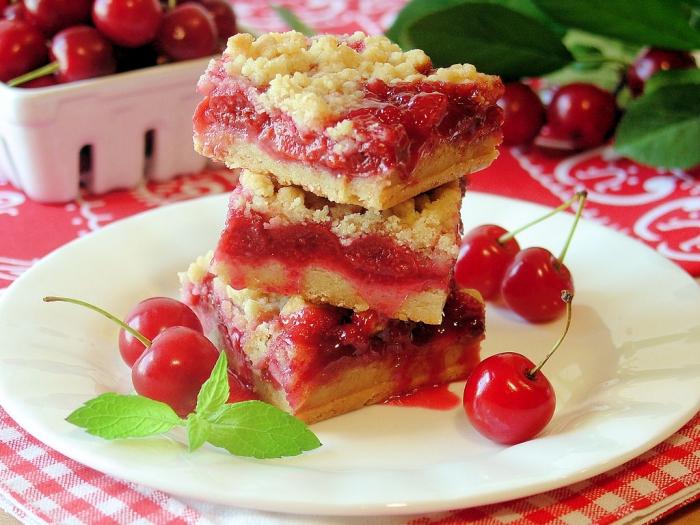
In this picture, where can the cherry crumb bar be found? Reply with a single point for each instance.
(284, 240)
(354, 118)
(319, 361)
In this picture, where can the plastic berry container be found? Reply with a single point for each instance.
(102, 134)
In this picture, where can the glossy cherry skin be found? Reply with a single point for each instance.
(15, 12)
(224, 18)
(653, 60)
(82, 52)
(150, 317)
(46, 81)
(533, 283)
(187, 32)
(583, 113)
(504, 403)
(523, 114)
(128, 23)
(175, 367)
(482, 260)
(22, 49)
(53, 15)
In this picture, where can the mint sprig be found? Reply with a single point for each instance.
(249, 428)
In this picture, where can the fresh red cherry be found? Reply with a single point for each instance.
(224, 18)
(129, 23)
(507, 398)
(22, 48)
(175, 367)
(533, 283)
(582, 112)
(3, 5)
(150, 317)
(652, 60)
(15, 12)
(187, 32)
(523, 114)
(53, 15)
(483, 259)
(505, 403)
(82, 52)
(46, 81)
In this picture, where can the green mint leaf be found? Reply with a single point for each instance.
(672, 77)
(197, 429)
(115, 416)
(292, 20)
(662, 128)
(475, 33)
(661, 23)
(417, 9)
(256, 429)
(215, 390)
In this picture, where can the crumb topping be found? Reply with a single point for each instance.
(317, 79)
(425, 223)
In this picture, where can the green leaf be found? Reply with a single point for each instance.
(662, 128)
(672, 77)
(197, 429)
(115, 416)
(256, 429)
(474, 32)
(292, 20)
(215, 390)
(661, 23)
(417, 9)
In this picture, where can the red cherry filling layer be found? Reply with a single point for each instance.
(398, 124)
(383, 270)
(314, 345)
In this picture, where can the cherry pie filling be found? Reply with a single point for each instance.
(314, 345)
(384, 271)
(398, 124)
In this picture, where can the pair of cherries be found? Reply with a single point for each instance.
(530, 281)
(162, 340)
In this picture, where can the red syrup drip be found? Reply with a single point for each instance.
(239, 391)
(438, 397)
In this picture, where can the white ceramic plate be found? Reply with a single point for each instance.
(627, 377)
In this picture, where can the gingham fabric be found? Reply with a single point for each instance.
(661, 208)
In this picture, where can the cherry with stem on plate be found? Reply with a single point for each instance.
(78, 52)
(532, 283)
(486, 252)
(22, 48)
(187, 31)
(507, 398)
(149, 318)
(175, 365)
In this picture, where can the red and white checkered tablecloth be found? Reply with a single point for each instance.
(661, 208)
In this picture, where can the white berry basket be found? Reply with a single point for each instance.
(102, 134)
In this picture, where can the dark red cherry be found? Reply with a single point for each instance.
(582, 113)
(82, 52)
(128, 23)
(224, 18)
(652, 60)
(53, 15)
(187, 32)
(22, 49)
(523, 114)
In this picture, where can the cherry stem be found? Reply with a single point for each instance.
(43, 71)
(581, 204)
(138, 335)
(509, 235)
(566, 296)
(172, 4)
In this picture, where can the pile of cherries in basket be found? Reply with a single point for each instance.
(45, 42)
(579, 115)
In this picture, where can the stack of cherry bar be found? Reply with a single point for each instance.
(331, 285)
